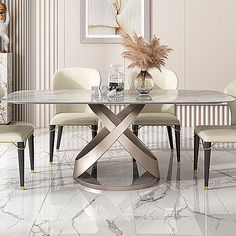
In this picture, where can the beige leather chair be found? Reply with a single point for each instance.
(159, 115)
(211, 135)
(18, 135)
(73, 115)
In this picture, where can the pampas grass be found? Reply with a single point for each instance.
(143, 54)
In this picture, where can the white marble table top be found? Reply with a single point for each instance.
(126, 97)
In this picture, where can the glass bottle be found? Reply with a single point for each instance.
(116, 78)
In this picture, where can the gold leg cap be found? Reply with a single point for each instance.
(50, 162)
(206, 188)
(57, 150)
(33, 171)
(22, 188)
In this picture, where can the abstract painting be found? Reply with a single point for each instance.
(103, 20)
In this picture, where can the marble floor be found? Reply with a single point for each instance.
(54, 204)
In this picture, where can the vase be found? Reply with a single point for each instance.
(144, 82)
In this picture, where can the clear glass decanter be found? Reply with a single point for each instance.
(116, 78)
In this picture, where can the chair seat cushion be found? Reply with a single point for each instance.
(73, 119)
(160, 119)
(15, 133)
(217, 134)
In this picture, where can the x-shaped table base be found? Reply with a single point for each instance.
(116, 128)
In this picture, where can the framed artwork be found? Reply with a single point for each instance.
(103, 20)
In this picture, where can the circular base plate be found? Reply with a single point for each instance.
(117, 176)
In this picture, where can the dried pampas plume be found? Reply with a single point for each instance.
(142, 54)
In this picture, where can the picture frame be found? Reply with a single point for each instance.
(93, 32)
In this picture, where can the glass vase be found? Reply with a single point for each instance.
(144, 82)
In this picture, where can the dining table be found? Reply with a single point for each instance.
(116, 127)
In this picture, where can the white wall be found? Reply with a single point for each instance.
(201, 32)
(210, 43)
(98, 56)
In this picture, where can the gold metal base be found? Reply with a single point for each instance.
(57, 150)
(116, 129)
(33, 172)
(205, 187)
(50, 163)
(22, 188)
(137, 186)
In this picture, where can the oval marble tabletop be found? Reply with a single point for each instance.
(125, 97)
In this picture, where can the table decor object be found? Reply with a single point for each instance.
(116, 78)
(4, 22)
(144, 55)
(104, 90)
(6, 84)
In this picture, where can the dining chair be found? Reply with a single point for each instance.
(159, 115)
(73, 115)
(213, 134)
(18, 135)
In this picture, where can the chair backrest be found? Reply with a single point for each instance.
(75, 79)
(231, 90)
(165, 80)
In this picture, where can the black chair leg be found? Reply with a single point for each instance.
(31, 151)
(135, 131)
(21, 160)
(207, 156)
(51, 141)
(169, 130)
(94, 130)
(196, 150)
(94, 133)
(59, 134)
(177, 140)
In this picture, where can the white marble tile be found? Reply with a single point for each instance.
(55, 204)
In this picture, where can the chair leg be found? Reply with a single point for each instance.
(94, 133)
(196, 150)
(94, 130)
(21, 160)
(59, 134)
(207, 155)
(177, 140)
(169, 130)
(31, 151)
(135, 131)
(51, 141)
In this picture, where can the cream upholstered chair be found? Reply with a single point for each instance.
(211, 135)
(18, 135)
(159, 115)
(73, 115)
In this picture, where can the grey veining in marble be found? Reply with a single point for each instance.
(126, 97)
(54, 204)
